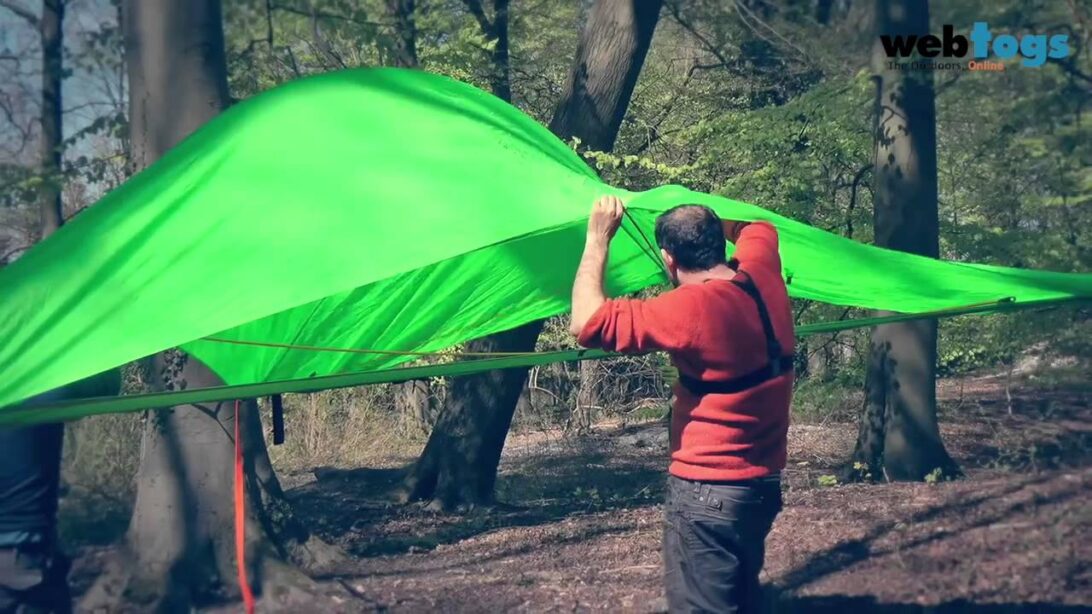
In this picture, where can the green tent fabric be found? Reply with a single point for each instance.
(385, 209)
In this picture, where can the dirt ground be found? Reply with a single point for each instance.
(581, 530)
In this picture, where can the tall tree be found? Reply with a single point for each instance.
(412, 400)
(405, 33)
(180, 544)
(496, 32)
(458, 466)
(50, 141)
(52, 148)
(899, 437)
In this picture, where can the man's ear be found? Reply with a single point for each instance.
(669, 260)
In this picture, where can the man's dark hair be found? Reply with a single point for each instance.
(694, 235)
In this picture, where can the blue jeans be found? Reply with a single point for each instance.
(715, 542)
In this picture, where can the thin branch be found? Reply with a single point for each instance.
(324, 15)
(740, 8)
(9, 115)
(269, 23)
(475, 8)
(940, 88)
(803, 54)
(20, 11)
(321, 41)
(853, 198)
(709, 46)
(1070, 68)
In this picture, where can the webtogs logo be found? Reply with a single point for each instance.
(1035, 48)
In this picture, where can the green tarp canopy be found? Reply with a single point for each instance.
(377, 209)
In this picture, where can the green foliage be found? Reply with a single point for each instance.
(650, 413)
(862, 471)
(816, 401)
(828, 481)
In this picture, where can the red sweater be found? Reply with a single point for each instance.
(712, 332)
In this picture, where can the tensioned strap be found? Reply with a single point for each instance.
(776, 364)
(239, 505)
(69, 410)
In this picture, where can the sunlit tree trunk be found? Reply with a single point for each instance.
(459, 464)
(179, 550)
(899, 437)
(52, 143)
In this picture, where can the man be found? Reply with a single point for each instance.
(33, 571)
(727, 326)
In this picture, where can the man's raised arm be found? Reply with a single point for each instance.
(588, 294)
(756, 243)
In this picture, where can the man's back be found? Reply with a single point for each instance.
(714, 333)
(728, 329)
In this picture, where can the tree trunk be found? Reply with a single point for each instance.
(52, 147)
(180, 547)
(497, 32)
(411, 399)
(587, 396)
(609, 57)
(413, 406)
(458, 467)
(501, 83)
(899, 437)
(405, 33)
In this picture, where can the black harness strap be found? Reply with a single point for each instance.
(776, 363)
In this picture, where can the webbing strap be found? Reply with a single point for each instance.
(776, 364)
(70, 410)
(239, 504)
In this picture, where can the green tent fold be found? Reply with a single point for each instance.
(379, 209)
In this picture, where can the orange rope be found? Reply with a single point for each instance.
(240, 521)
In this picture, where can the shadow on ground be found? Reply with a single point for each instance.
(359, 509)
(868, 605)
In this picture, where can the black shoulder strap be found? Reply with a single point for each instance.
(776, 364)
(773, 346)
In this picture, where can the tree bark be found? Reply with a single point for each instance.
(899, 437)
(405, 33)
(587, 396)
(52, 145)
(501, 83)
(496, 30)
(179, 550)
(411, 399)
(413, 406)
(609, 57)
(458, 467)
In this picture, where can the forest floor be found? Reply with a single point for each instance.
(581, 531)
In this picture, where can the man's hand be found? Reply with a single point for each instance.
(588, 296)
(605, 218)
(732, 228)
